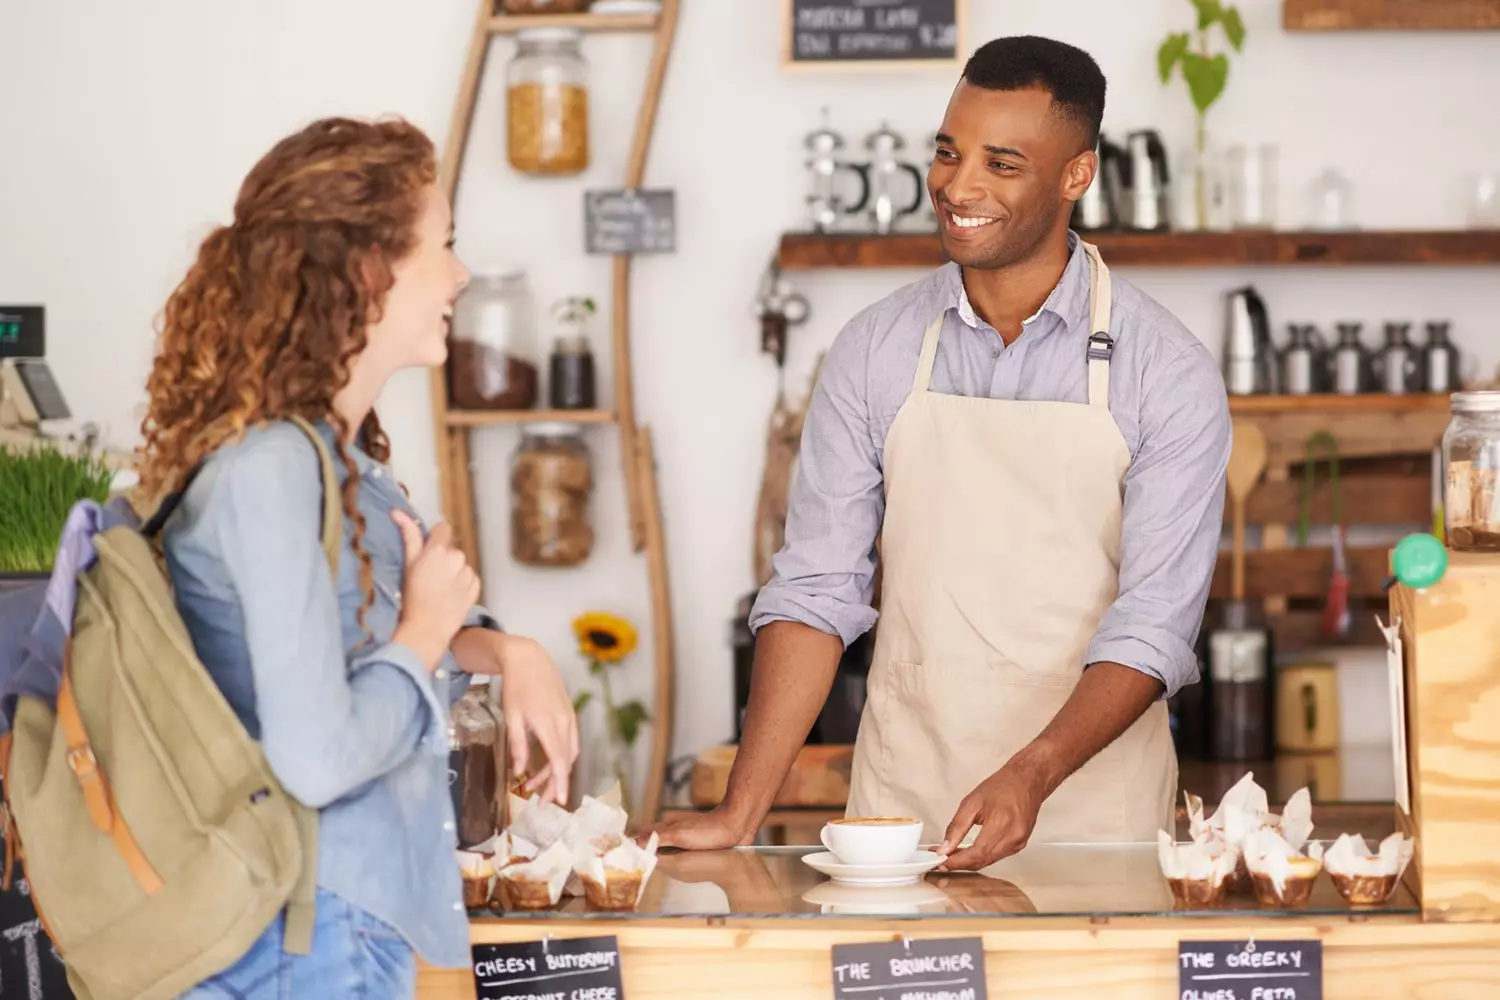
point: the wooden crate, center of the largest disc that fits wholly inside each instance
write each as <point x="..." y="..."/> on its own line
<point x="1451" y="639"/>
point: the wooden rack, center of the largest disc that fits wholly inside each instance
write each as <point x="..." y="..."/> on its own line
<point x="637" y="453"/>
<point x="1390" y="15"/>
<point x="1385" y="445"/>
<point x="806" y="251"/>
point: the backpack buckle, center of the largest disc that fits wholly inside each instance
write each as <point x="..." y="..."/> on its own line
<point x="83" y="762"/>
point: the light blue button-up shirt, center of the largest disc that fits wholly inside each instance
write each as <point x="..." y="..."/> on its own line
<point x="1165" y="395"/>
<point x="354" y="726"/>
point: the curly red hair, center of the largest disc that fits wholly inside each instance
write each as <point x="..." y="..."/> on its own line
<point x="270" y="317"/>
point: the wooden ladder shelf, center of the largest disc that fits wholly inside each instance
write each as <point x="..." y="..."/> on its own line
<point x="637" y="452"/>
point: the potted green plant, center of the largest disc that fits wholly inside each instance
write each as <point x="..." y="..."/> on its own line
<point x="1206" y="73"/>
<point x="38" y="487"/>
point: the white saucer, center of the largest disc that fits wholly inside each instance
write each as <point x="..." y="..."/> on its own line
<point x="900" y="874"/>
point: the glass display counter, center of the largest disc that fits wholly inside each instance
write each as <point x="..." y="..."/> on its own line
<point x="1094" y="882"/>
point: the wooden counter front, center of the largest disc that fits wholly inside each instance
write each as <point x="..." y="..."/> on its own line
<point x="1070" y="921"/>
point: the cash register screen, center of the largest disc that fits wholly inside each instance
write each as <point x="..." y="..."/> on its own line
<point x="42" y="388"/>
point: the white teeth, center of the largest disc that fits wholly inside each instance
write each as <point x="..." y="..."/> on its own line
<point x="966" y="222"/>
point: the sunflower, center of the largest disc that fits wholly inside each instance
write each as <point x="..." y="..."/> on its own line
<point x="604" y="637"/>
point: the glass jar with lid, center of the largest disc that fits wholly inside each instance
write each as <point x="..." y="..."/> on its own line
<point x="494" y="359"/>
<point x="547" y="103"/>
<point x="551" y="484"/>
<point x="476" y="764"/>
<point x="1471" y="465"/>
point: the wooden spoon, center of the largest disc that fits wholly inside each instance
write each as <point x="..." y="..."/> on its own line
<point x="1247" y="460"/>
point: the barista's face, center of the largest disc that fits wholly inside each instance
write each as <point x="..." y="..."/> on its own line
<point x="1005" y="174"/>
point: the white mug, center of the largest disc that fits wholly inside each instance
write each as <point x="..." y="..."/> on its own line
<point x="873" y="840"/>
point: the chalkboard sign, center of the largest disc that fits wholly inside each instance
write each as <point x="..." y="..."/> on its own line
<point x="630" y="221"/>
<point x="872" y="34"/>
<point x="577" y="969"/>
<point x="933" y="970"/>
<point x="30" y="968"/>
<point x="1249" y="970"/>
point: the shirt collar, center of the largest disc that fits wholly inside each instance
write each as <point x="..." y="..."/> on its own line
<point x="364" y="464"/>
<point x="1069" y="300"/>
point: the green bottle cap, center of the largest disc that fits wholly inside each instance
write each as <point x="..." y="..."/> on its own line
<point x="1420" y="561"/>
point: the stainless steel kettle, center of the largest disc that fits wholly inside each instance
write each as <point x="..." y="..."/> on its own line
<point x="1249" y="356"/>
<point x="1100" y="206"/>
<point x="1148" y="181"/>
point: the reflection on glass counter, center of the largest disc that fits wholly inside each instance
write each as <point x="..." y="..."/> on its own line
<point x="1061" y="880"/>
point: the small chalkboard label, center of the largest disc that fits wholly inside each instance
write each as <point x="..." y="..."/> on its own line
<point x="872" y="31"/>
<point x="617" y="222"/>
<point x="576" y="969"/>
<point x="1250" y="970"/>
<point x="910" y="970"/>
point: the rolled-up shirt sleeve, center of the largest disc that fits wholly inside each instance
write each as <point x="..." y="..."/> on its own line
<point x="330" y="722"/>
<point x="824" y="574"/>
<point x="1172" y="520"/>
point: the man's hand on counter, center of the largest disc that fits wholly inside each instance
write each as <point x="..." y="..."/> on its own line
<point x="710" y="831"/>
<point x="1107" y="701"/>
<point x="793" y="673"/>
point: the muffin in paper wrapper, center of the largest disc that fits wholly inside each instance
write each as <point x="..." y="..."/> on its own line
<point x="1197" y="872"/>
<point x="1244" y="811"/>
<point x="595" y="827"/>
<point x="615" y="879"/>
<point x="478" y="873"/>
<point x="537" y="822"/>
<point x="536" y="884"/>
<point x="1366" y="879"/>
<point x="1281" y="874"/>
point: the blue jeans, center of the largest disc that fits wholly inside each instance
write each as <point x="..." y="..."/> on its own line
<point x="353" y="957"/>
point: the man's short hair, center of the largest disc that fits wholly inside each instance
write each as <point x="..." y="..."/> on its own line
<point x="1068" y="73"/>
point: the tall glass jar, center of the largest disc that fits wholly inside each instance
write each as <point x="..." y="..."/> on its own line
<point x="1471" y="464"/>
<point x="476" y="764"/>
<point x="547" y="103"/>
<point x="551" y="482"/>
<point x="494" y="358"/>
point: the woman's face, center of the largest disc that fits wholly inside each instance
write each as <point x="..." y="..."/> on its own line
<point x="413" y="329"/>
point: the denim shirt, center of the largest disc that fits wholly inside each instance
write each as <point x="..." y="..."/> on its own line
<point x="353" y="726"/>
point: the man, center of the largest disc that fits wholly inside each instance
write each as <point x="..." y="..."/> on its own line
<point x="1041" y="449"/>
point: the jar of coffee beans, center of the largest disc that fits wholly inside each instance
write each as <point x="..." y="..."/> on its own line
<point x="551" y="484"/>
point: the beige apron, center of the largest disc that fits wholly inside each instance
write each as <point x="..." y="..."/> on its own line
<point x="1001" y="552"/>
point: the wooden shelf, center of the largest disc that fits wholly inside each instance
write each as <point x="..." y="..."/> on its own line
<point x="1423" y="402"/>
<point x="1456" y="247"/>
<point x="1390" y="15"/>
<point x="509" y="24"/>
<point x="490" y="418"/>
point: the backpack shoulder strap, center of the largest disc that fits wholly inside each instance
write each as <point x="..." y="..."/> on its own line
<point x="301" y="908"/>
<point x="333" y="507"/>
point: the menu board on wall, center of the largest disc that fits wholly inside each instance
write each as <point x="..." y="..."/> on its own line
<point x="872" y="34"/>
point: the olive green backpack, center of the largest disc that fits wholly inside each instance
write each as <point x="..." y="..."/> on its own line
<point x="157" y="842"/>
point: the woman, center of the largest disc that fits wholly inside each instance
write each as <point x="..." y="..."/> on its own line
<point x="337" y="272"/>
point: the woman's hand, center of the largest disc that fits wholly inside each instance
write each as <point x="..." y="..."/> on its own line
<point x="535" y="702"/>
<point x="437" y="592"/>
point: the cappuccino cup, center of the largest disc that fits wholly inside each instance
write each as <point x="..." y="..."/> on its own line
<point x="873" y="840"/>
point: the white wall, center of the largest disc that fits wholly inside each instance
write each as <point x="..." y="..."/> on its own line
<point x="127" y="127"/>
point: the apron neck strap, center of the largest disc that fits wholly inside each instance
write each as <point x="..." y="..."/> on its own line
<point x="929" y="352"/>
<point x="1101" y="344"/>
